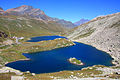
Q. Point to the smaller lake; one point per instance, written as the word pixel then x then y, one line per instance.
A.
pixel 43 38
pixel 57 59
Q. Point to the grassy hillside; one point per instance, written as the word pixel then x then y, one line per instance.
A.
pixel 24 27
pixel 11 26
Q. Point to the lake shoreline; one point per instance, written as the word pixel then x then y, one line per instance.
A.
pixel 27 59
pixel 48 50
pixel 113 61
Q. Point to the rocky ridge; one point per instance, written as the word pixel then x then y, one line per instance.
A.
pixel 30 12
pixel 101 32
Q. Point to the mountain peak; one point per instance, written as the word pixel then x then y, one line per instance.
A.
pixel 81 21
pixel 20 9
pixel 28 11
pixel 25 6
pixel 31 12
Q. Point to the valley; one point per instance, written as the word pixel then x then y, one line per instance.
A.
pixel 19 25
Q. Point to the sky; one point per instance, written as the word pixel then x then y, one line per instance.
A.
pixel 70 10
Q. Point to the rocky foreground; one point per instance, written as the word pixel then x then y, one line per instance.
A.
pixel 103 33
pixel 90 73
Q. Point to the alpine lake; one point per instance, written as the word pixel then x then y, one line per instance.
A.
pixel 57 59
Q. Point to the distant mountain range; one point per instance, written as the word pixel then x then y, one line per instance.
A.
pixel 82 21
pixel 29 11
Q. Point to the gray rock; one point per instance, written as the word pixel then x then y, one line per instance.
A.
pixel 17 78
pixel 103 33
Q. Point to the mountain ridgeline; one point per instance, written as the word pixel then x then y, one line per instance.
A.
pixel 101 32
pixel 29 11
pixel 20 26
pixel 27 21
pixel 81 21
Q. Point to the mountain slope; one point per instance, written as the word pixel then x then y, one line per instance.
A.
pixel 28 27
pixel 102 32
pixel 28 21
pixel 82 21
pixel 30 12
pixel 66 24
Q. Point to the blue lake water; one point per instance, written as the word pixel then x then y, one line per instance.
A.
pixel 43 38
pixel 57 59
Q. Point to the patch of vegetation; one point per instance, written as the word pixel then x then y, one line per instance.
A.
pixel 84 73
pixel 79 74
pixel 14 52
pixel 88 33
pixel 23 27
pixel 38 76
pixel 31 47
pixel 6 76
pixel 4 46
pixel 117 24
pixel 114 76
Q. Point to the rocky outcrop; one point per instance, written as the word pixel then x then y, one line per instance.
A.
pixel 108 70
pixel 75 61
pixel 17 78
pixel 8 42
pixel 8 69
pixel 102 32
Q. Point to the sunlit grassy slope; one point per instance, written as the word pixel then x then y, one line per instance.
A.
pixel 24 27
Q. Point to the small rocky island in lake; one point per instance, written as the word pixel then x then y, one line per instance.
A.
pixel 75 61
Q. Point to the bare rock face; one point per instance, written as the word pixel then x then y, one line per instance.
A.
pixel 26 10
pixel 102 32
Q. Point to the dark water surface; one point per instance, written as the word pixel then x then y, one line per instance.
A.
pixel 57 59
pixel 43 38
